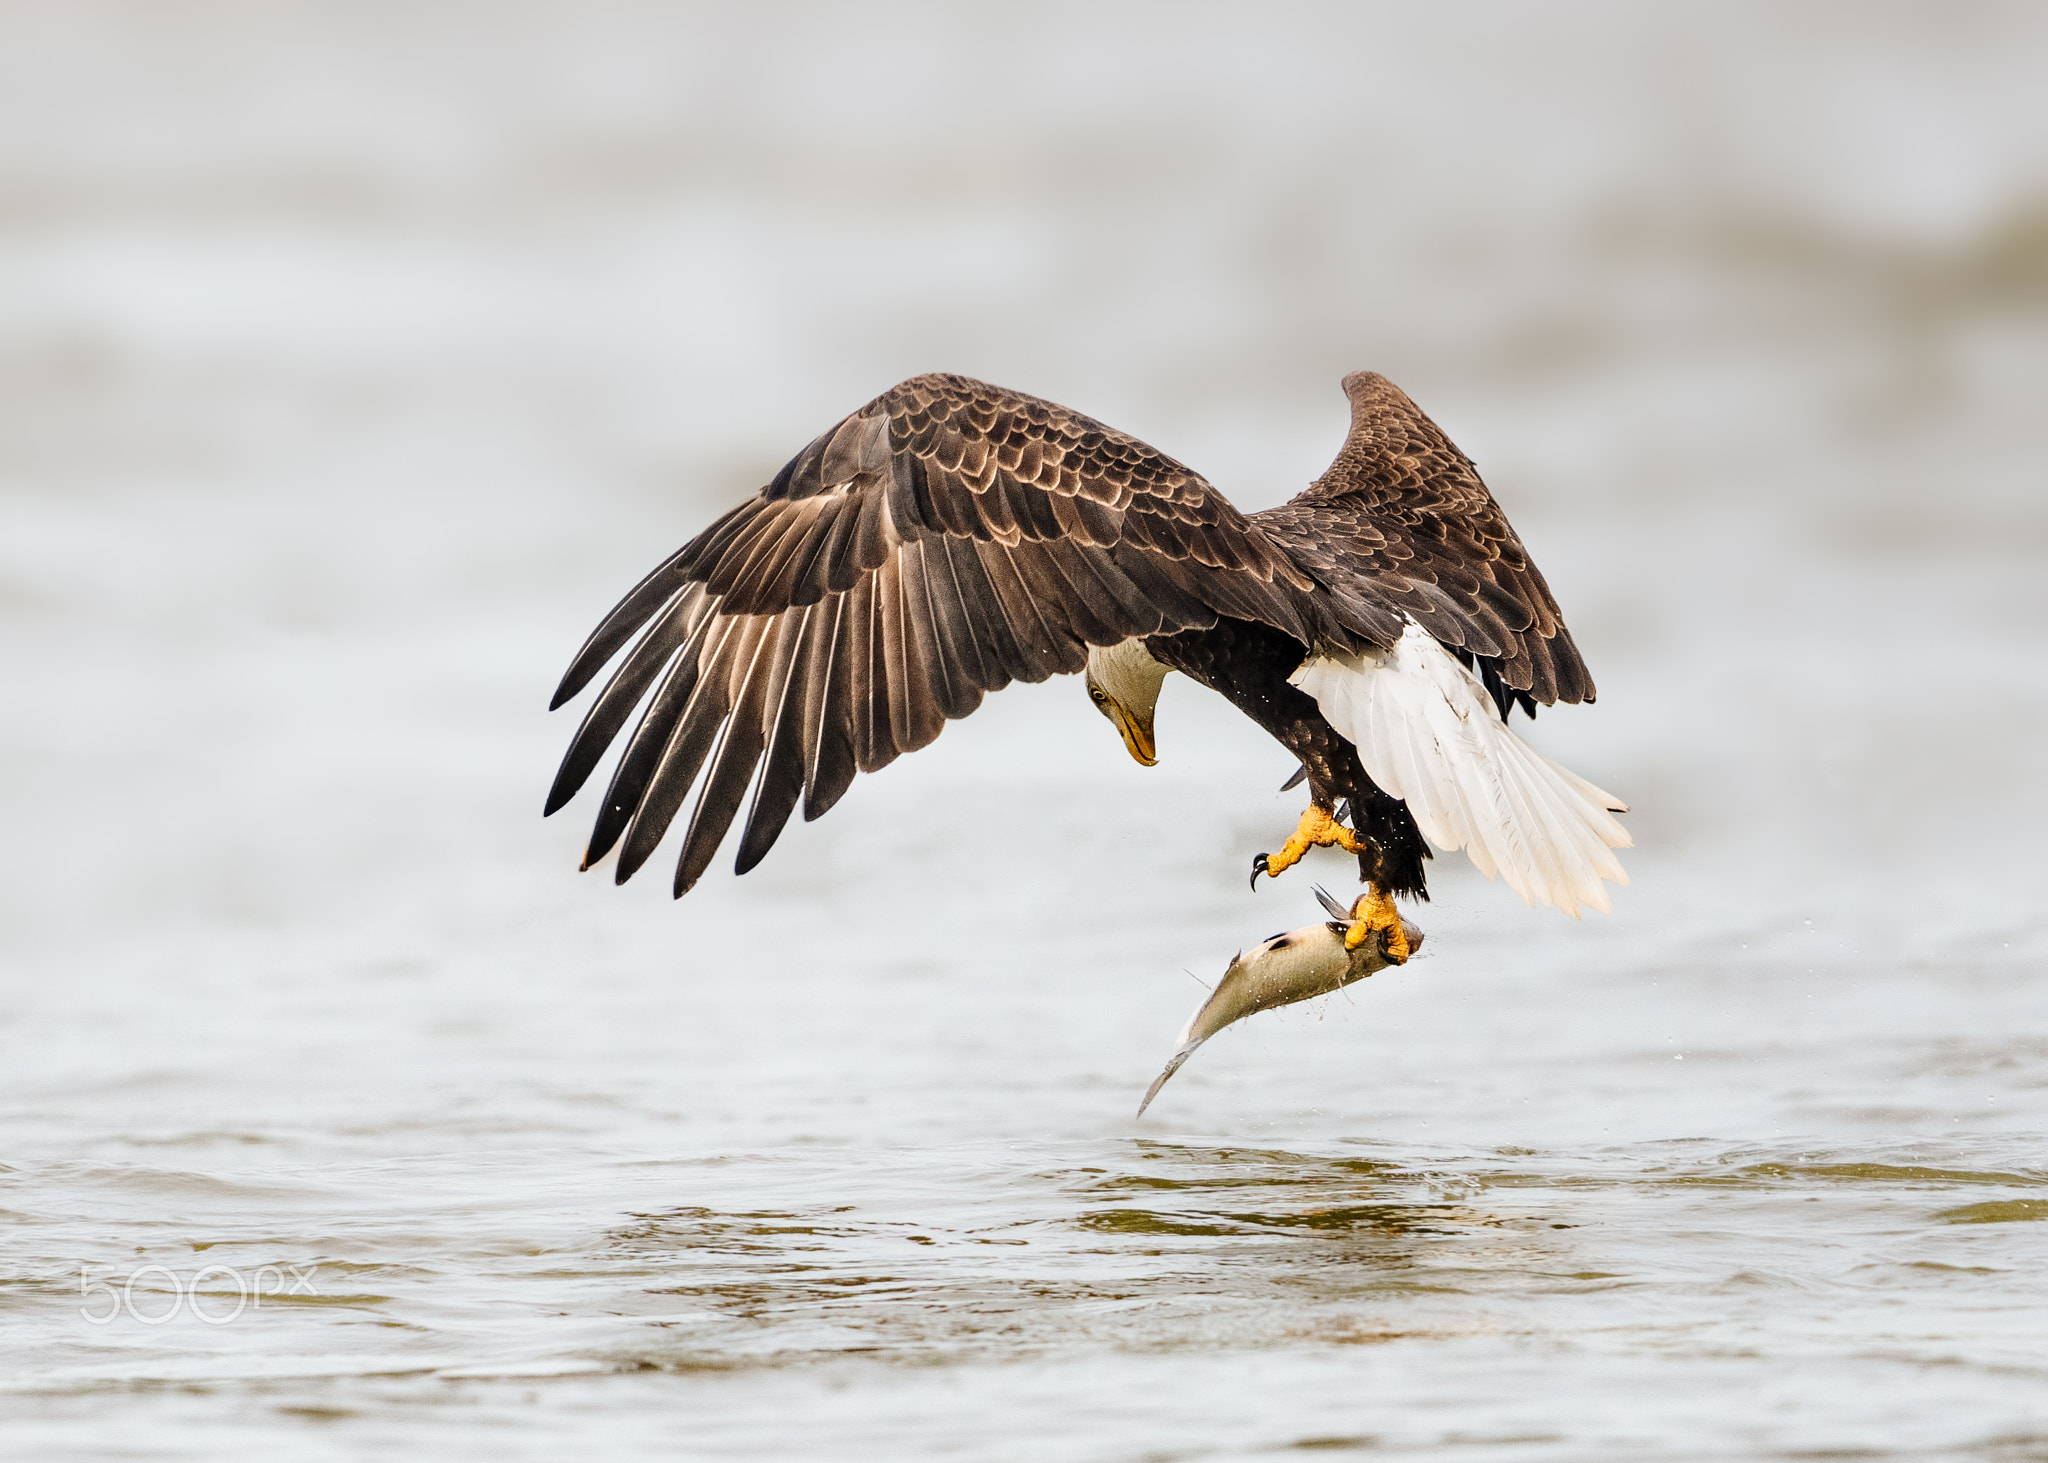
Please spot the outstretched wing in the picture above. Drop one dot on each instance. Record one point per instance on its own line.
(1401, 526)
(946, 539)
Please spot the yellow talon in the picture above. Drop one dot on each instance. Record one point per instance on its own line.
(1372, 913)
(1317, 829)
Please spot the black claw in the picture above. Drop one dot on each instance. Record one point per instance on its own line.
(1258, 868)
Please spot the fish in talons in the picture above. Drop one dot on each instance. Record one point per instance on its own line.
(1296, 966)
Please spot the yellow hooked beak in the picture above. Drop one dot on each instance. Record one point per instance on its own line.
(1137, 735)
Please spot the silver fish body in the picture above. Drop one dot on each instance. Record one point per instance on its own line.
(1296, 966)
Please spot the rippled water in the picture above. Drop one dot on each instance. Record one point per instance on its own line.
(1104, 1298)
(567, 1178)
(353, 360)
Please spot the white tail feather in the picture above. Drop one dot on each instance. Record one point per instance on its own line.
(1428, 734)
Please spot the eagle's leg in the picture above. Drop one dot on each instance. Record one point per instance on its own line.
(1249, 663)
(1373, 912)
(1318, 828)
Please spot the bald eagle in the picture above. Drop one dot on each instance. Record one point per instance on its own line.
(951, 537)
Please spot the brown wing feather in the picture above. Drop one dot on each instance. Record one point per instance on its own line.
(1401, 525)
(948, 538)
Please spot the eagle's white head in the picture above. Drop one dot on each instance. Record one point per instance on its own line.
(1123, 682)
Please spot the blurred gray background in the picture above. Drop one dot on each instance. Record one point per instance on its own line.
(355, 357)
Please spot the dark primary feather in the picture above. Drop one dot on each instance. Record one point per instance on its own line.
(628, 615)
(1401, 524)
(947, 539)
(952, 537)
